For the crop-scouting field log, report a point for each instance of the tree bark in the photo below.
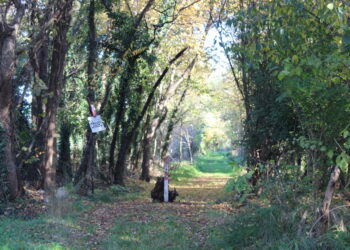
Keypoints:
(323, 223)
(60, 48)
(89, 150)
(128, 137)
(8, 37)
(88, 160)
(121, 109)
(122, 158)
(147, 150)
(64, 170)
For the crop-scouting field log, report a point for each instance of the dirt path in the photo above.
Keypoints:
(119, 218)
(197, 209)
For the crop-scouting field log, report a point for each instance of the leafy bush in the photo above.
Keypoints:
(274, 228)
(240, 187)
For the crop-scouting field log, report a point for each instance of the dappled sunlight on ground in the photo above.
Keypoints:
(201, 205)
(130, 220)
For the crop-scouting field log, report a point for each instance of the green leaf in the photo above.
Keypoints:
(330, 154)
(295, 58)
(343, 162)
(283, 74)
(330, 6)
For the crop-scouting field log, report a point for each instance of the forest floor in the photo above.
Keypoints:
(128, 219)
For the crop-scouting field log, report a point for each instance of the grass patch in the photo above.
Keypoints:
(214, 164)
(56, 229)
(169, 233)
(41, 233)
(185, 172)
(117, 193)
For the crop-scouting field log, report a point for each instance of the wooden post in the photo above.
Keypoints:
(166, 178)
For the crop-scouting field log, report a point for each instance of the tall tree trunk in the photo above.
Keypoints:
(189, 146)
(147, 150)
(7, 69)
(137, 152)
(123, 154)
(40, 66)
(88, 160)
(8, 36)
(124, 90)
(60, 48)
(64, 170)
(39, 59)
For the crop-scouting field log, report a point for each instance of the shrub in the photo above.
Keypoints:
(274, 228)
(240, 187)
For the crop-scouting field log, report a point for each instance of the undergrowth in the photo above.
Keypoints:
(272, 228)
(59, 227)
(281, 216)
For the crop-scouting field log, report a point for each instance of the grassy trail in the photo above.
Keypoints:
(138, 223)
(184, 224)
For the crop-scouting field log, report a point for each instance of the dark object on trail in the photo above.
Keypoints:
(157, 193)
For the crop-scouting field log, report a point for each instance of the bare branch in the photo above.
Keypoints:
(128, 7)
(188, 6)
(143, 13)
(155, 86)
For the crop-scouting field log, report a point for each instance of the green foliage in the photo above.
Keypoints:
(273, 228)
(293, 64)
(274, 219)
(185, 171)
(240, 187)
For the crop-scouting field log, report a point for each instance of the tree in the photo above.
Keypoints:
(9, 26)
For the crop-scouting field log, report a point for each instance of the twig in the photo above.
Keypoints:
(319, 218)
(339, 145)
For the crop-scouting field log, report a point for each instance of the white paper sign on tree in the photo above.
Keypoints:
(96, 124)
